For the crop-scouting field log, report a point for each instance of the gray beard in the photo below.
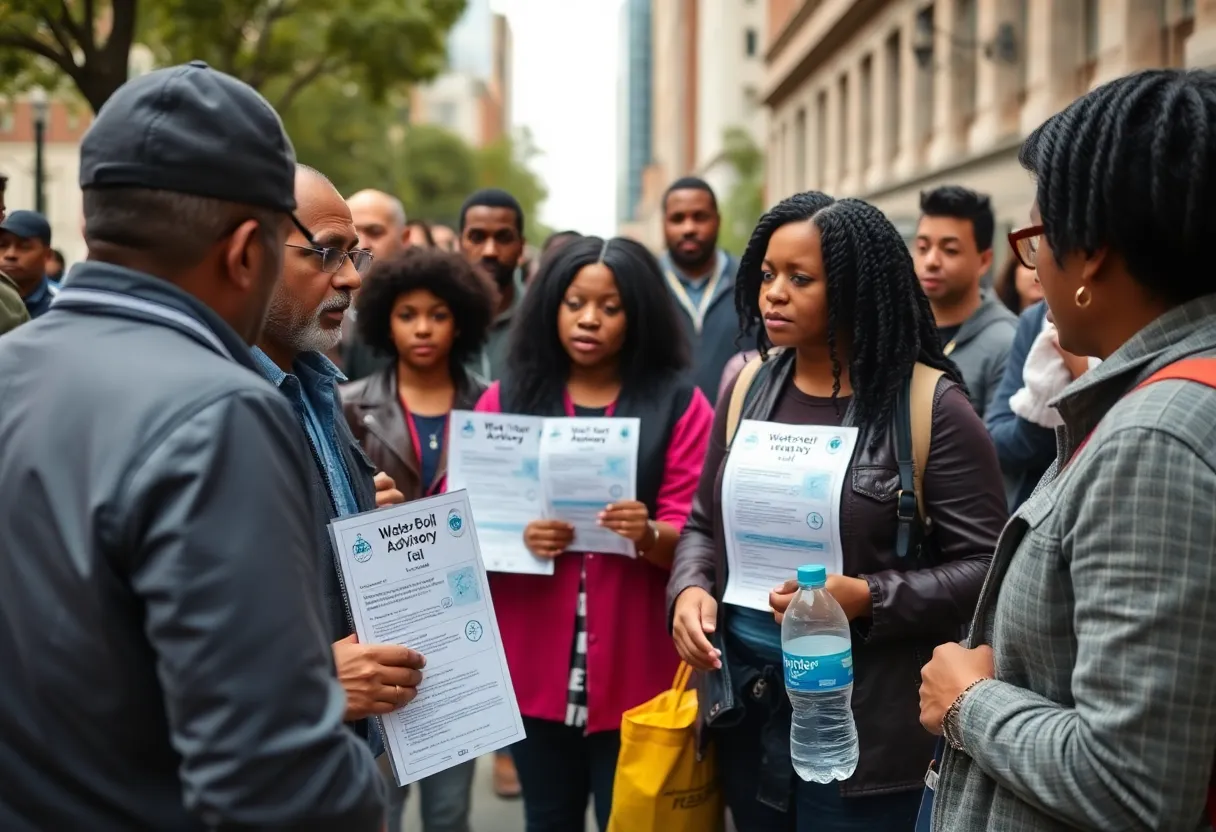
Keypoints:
(301, 330)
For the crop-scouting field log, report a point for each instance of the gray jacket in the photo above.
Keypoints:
(1098, 607)
(166, 659)
(981, 347)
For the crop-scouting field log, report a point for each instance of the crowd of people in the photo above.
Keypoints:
(247, 355)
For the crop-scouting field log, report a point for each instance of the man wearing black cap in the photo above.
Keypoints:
(25, 249)
(165, 653)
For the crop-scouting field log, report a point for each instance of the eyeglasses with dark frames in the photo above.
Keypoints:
(333, 258)
(1025, 243)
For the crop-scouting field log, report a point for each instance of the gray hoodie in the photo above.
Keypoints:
(981, 347)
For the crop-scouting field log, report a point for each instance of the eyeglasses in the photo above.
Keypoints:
(333, 258)
(1025, 244)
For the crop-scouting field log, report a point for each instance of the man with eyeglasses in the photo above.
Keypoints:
(305, 321)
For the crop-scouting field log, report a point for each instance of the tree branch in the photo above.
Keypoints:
(20, 40)
(76, 33)
(274, 13)
(63, 38)
(122, 31)
(89, 35)
(301, 81)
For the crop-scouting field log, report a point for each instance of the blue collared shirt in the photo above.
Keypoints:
(312, 388)
(39, 301)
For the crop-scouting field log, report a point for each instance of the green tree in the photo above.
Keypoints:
(359, 144)
(745, 202)
(506, 164)
(281, 47)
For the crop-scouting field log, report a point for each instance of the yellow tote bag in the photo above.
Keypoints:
(660, 785)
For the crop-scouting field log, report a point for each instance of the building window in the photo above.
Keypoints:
(800, 150)
(751, 42)
(925, 87)
(843, 156)
(1089, 25)
(866, 103)
(6, 120)
(965, 61)
(821, 139)
(895, 80)
(751, 100)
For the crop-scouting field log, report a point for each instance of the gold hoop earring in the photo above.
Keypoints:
(1083, 298)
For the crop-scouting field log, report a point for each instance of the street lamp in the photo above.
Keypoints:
(40, 105)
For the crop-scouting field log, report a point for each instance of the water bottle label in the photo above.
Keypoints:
(818, 673)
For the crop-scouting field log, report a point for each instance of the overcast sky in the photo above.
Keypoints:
(565, 89)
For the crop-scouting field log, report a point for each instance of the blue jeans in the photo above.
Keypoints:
(558, 768)
(746, 769)
(445, 800)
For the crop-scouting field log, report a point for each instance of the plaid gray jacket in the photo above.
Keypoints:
(1100, 607)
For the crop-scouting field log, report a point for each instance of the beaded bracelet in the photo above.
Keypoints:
(950, 728)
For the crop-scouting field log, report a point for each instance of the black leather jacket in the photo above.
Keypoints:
(919, 601)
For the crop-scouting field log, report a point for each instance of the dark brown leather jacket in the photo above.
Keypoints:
(919, 601)
(374, 413)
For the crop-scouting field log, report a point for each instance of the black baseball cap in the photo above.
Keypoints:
(28, 225)
(194, 130)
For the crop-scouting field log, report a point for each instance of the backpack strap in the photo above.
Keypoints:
(738, 396)
(924, 388)
(1198, 370)
(913, 436)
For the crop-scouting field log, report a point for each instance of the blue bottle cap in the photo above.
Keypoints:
(812, 575)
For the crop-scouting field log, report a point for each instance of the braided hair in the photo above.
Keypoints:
(1131, 167)
(871, 287)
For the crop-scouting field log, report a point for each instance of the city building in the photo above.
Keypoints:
(67, 119)
(730, 71)
(706, 74)
(673, 112)
(634, 106)
(882, 99)
(472, 96)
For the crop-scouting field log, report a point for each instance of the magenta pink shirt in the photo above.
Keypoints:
(630, 657)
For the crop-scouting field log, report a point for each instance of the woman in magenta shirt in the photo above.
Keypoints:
(597, 336)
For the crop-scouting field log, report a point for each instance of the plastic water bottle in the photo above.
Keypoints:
(818, 656)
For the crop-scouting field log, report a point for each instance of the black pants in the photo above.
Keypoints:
(754, 754)
(558, 768)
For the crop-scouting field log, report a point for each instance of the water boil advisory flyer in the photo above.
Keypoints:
(414, 576)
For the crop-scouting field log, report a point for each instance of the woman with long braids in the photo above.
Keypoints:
(833, 285)
(598, 335)
(1084, 696)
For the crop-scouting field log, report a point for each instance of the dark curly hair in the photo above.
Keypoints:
(447, 276)
(961, 203)
(871, 289)
(1131, 167)
(654, 349)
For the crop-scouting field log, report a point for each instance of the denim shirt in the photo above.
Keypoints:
(39, 301)
(312, 389)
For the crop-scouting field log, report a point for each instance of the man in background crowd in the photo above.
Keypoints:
(56, 266)
(25, 248)
(443, 237)
(380, 221)
(953, 252)
(12, 308)
(492, 239)
(701, 278)
(165, 658)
